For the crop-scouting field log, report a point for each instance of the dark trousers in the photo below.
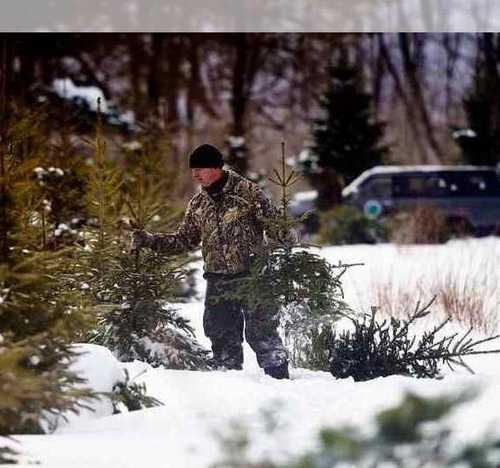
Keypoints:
(225, 318)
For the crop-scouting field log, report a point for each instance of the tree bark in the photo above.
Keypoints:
(408, 105)
(411, 72)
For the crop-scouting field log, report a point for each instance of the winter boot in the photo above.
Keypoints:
(278, 372)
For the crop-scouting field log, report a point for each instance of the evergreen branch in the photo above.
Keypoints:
(475, 343)
(274, 181)
(459, 342)
(382, 348)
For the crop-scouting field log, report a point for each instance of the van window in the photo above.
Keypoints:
(478, 184)
(413, 185)
(447, 184)
(377, 187)
(424, 185)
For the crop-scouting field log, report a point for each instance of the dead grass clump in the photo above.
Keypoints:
(468, 302)
(396, 300)
(423, 224)
(465, 300)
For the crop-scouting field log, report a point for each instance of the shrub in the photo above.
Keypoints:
(348, 225)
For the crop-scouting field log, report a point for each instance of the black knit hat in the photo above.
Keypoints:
(205, 156)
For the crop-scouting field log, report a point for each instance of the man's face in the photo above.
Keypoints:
(207, 175)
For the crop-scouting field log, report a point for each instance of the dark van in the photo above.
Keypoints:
(469, 195)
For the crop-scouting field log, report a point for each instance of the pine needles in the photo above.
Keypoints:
(378, 349)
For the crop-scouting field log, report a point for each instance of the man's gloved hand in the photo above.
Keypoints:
(139, 240)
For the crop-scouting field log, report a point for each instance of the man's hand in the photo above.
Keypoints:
(138, 241)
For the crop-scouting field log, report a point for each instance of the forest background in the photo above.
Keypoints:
(248, 92)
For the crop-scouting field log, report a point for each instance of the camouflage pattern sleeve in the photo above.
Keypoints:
(186, 237)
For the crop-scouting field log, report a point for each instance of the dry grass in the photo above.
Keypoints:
(423, 224)
(470, 299)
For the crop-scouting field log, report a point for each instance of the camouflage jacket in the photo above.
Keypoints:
(230, 227)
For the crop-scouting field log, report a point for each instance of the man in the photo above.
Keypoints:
(227, 215)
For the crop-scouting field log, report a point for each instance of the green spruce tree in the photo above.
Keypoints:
(133, 292)
(346, 139)
(40, 316)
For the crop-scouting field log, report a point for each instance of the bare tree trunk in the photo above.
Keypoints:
(239, 95)
(197, 91)
(245, 67)
(378, 74)
(451, 45)
(408, 105)
(491, 52)
(136, 54)
(153, 79)
(411, 72)
(173, 80)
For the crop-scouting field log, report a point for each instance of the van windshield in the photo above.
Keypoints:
(377, 187)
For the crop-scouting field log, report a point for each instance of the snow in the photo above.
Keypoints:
(132, 145)
(307, 196)
(468, 267)
(236, 142)
(101, 371)
(200, 405)
(306, 157)
(89, 96)
(65, 88)
(464, 132)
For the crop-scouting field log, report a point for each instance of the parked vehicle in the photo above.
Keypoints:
(468, 195)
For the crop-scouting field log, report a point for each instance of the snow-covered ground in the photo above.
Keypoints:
(395, 277)
(199, 405)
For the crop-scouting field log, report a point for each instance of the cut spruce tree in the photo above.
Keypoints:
(133, 292)
(378, 348)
